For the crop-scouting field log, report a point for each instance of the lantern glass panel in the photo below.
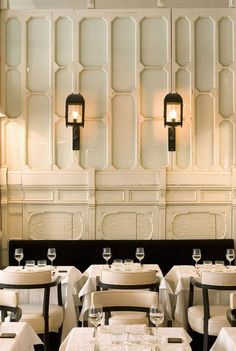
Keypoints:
(173, 113)
(75, 114)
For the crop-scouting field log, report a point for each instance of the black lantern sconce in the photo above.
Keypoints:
(75, 106)
(173, 116)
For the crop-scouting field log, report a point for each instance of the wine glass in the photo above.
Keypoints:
(19, 255)
(196, 255)
(156, 314)
(51, 254)
(230, 255)
(140, 253)
(95, 315)
(106, 254)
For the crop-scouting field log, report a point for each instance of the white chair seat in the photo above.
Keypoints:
(215, 323)
(32, 314)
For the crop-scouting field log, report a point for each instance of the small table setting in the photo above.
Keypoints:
(70, 275)
(17, 336)
(88, 280)
(135, 337)
(179, 280)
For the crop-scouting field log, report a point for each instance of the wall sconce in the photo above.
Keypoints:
(173, 116)
(75, 106)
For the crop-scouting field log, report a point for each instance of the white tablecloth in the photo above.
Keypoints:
(88, 284)
(179, 280)
(226, 340)
(24, 340)
(69, 278)
(82, 339)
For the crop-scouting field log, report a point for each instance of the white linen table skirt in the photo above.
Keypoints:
(226, 340)
(24, 340)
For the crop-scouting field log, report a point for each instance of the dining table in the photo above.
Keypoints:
(70, 276)
(178, 279)
(226, 340)
(135, 337)
(87, 284)
(17, 336)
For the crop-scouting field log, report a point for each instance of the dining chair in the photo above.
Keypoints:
(9, 305)
(128, 280)
(43, 316)
(208, 318)
(121, 302)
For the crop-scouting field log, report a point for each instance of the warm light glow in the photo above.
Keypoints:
(173, 113)
(74, 114)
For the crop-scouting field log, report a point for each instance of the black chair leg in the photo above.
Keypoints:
(46, 342)
(205, 342)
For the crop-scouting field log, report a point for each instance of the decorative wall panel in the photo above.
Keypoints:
(54, 222)
(125, 224)
(38, 135)
(38, 54)
(123, 122)
(123, 183)
(123, 54)
(197, 222)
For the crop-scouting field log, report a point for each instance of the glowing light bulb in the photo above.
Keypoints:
(173, 115)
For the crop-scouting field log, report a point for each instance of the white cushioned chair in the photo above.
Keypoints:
(125, 304)
(42, 316)
(135, 280)
(9, 305)
(209, 318)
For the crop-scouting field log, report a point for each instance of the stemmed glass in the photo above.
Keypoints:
(230, 255)
(156, 315)
(106, 254)
(140, 253)
(95, 315)
(19, 255)
(196, 255)
(51, 254)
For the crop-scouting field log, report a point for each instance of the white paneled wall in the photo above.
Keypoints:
(123, 183)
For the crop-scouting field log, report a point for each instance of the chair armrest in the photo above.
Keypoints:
(193, 283)
(232, 300)
(231, 316)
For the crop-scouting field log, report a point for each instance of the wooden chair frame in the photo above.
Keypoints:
(206, 305)
(46, 297)
(106, 286)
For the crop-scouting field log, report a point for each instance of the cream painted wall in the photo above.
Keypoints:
(123, 183)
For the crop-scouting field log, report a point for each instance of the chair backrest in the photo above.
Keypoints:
(9, 298)
(9, 301)
(219, 279)
(23, 277)
(129, 278)
(123, 300)
(128, 298)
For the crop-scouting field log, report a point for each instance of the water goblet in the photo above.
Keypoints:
(106, 254)
(51, 254)
(140, 254)
(19, 255)
(230, 255)
(95, 315)
(196, 255)
(156, 315)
